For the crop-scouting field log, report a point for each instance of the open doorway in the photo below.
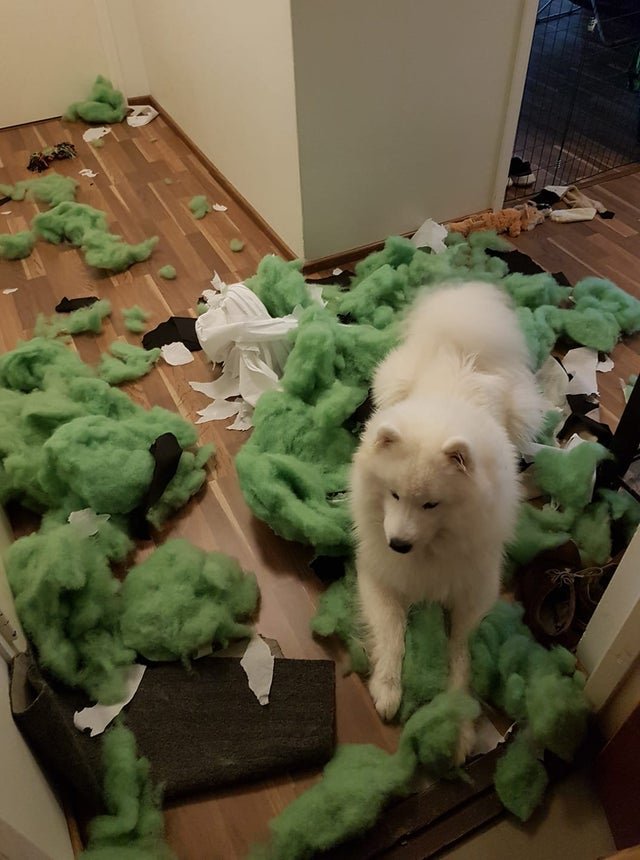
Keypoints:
(580, 114)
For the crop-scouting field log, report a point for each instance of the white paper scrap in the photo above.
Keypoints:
(244, 418)
(258, 667)
(6, 212)
(336, 272)
(141, 115)
(98, 717)
(430, 234)
(176, 353)
(218, 410)
(10, 290)
(605, 365)
(87, 522)
(218, 207)
(87, 172)
(238, 332)
(581, 363)
(95, 133)
(217, 283)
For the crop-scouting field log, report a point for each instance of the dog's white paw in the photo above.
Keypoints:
(386, 693)
(466, 740)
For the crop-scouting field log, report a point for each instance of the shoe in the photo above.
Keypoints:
(520, 172)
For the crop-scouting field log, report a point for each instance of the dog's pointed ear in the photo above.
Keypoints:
(386, 435)
(459, 453)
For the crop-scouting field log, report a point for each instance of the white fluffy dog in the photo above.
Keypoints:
(434, 485)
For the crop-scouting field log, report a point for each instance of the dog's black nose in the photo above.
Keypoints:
(400, 545)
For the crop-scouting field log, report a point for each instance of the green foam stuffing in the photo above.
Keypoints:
(520, 777)
(361, 778)
(51, 189)
(70, 441)
(236, 245)
(126, 362)
(538, 688)
(167, 272)
(199, 206)
(355, 786)
(16, 246)
(181, 598)
(132, 827)
(98, 143)
(82, 320)
(135, 319)
(67, 600)
(566, 475)
(86, 228)
(104, 104)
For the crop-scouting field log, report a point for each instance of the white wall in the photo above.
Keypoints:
(401, 108)
(223, 69)
(50, 54)
(32, 825)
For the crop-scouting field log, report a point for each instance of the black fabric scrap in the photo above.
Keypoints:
(579, 420)
(607, 214)
(166, 452)
(562, 279)
(327, 568)
(4, 200)
(65, 306)
(517, 262)
(544, 199)
(201, 728)
(175, 329)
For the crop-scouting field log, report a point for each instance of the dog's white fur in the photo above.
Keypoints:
(453, 402)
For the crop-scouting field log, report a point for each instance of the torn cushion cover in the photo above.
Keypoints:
(200, 728)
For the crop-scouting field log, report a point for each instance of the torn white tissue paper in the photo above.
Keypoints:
(218, 207)
(87, 172)
(99, 716)
(258, 667)
(176, 353)
(87, 522)
(336, 272)
(430, 235)
(141, 115)
(217, 283)
(6, 212)
(238, 332)
(95, 133)
(581, 363)
(605, 365)
(10, 290)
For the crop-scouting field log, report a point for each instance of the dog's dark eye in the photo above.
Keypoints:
(428, 505)
(395, 495)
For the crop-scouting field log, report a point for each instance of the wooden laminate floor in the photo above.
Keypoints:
(130, 186)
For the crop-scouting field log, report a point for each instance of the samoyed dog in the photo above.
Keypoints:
(434, 484)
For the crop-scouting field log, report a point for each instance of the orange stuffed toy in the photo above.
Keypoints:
(512, 221)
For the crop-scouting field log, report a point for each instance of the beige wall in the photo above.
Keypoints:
(32, 825)
(224, 71)
(401, 112)
(51, 54)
